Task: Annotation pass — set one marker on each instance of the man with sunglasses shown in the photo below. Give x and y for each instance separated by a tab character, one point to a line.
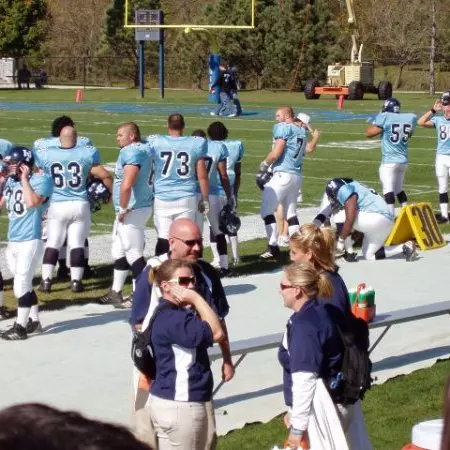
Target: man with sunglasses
186	243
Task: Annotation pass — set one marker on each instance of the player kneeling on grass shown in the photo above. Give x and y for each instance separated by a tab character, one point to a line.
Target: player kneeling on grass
25	195
367	212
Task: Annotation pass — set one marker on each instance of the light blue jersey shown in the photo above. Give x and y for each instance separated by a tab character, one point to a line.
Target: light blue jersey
51	141
5	147
138	154
291	160
397	129
69	169
217	152
235	155
368	200
26	224
175	166
442	126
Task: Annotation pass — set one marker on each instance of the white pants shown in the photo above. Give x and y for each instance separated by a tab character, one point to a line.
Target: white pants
129	235
281	189
392	177
22	259
180	425
72	218
442	172
376	229
167	212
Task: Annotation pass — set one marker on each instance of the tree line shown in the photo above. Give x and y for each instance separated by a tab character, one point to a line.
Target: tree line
293	40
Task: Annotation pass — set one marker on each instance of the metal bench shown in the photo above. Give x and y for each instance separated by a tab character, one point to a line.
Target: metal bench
383	320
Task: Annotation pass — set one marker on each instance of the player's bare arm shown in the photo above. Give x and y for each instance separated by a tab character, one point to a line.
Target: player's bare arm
351	209
276	152
312	144
130	173
425	121
98	171
222	169
31	199
202	177
373	131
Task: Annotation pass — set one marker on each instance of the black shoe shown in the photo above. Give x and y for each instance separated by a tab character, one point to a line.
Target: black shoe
5	314
46	286
440	219
33	327
89	272
273	251
15	333
224	272
350	257
63	274
111	298
77	286
410	250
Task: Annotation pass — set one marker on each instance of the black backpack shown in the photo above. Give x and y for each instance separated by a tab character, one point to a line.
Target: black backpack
354	380
142	352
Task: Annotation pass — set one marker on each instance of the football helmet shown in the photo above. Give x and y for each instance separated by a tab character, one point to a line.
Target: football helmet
98	194
16	157
391	105
445	98
332	190
263	177
229	222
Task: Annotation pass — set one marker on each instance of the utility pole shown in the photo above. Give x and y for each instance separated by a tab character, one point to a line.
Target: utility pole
433	48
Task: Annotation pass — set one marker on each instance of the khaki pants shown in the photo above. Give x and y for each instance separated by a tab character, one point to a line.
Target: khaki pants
183	425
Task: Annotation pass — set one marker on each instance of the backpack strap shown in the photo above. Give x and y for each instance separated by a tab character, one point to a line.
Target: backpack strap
148	331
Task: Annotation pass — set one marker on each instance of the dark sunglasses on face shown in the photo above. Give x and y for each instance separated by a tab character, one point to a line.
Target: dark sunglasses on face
286	286
183	281
190	242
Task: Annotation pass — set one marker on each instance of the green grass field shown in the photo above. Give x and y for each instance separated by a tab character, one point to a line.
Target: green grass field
336	155
390	409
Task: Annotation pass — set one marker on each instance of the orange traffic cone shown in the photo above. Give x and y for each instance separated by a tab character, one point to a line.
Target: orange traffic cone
340	104
79	96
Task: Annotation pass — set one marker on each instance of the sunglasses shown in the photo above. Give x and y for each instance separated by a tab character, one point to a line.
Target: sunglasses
183	281
190	242
286	286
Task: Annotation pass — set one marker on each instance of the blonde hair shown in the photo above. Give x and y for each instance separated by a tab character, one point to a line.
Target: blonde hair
319	241
165	271
306	276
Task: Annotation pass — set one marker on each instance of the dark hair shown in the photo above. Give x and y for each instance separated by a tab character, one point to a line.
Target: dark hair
217	131
59	123
199	133
32	426
445	442
176	122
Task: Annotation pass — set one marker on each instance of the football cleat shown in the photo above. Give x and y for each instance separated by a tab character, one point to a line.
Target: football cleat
283	241
15	333
236	261
111	298
33	327
76	286
224	272
4	313
272	252
409	250
350	257
45	286
440	219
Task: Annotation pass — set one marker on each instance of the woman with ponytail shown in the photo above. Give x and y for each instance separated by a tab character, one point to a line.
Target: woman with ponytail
316	245
311	349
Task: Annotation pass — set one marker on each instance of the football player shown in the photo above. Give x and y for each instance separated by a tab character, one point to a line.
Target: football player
442	125
5	147
395	129
179	169
217	131
286	160
53	140
367	212
220	194
25	195
69	164
132	198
